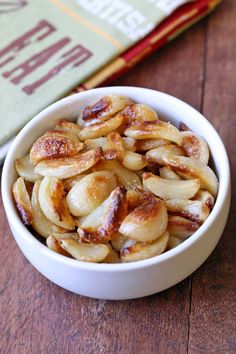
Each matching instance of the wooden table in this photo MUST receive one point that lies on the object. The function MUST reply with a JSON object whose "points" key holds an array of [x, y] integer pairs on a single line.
{"points": [[196, 316]]}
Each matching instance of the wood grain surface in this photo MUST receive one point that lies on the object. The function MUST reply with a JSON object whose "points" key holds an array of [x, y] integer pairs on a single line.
{"points": [[196, 316]]}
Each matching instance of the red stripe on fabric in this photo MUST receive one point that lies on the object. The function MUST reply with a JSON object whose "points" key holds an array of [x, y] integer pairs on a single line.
{"points": [[129, 55], [201, 6]]}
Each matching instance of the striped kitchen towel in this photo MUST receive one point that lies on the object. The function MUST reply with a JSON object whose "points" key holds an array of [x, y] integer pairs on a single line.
{"points": [[51, 47]]}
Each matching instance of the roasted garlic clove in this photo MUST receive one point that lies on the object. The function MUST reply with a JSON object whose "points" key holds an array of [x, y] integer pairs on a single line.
{"points": [[25, 169], [69, 183], [168, 173], [173, 242], [136, 112], [68, 126], [170, 189], [133, 199], [181, 227], [205, 197], [156, 129], [42, 225], [114, 148], [139, 250], [133, 161], [157, 155], [22, 201], [149, 144], [102, 109], [55, 246], [58, 229], [71, 235], [69, 167], [55, 144], [118, 241], [189, 209], [53, 203], [90, 192], [101, 166], [190, 168], [137, 197], [99, 129], [139, 112], [127, 143], [146, 222], [125, 177], [96, 143], [112, 257], [195, 147], [102, 223], [85, 252]]}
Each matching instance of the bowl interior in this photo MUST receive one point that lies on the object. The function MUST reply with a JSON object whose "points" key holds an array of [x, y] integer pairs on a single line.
{"points": [[167, 107]]}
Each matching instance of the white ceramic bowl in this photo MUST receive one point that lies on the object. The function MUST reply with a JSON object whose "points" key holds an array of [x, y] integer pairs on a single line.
{"points": [[136, 279]]}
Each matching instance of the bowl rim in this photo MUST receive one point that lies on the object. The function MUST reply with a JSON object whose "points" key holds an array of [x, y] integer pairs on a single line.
{"points": [[27, 236]]}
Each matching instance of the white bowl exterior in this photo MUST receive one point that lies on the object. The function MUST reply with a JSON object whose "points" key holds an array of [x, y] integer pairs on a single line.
{"points": [[137, 282], [136, 279]]}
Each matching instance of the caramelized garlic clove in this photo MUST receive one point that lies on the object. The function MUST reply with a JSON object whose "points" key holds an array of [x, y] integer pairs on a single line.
{"points": [[102, 110], [102, 223], [114, 148], [41, 224], [118, 241], [55, 144], [181, 227], [90, 192], [194, 210], [195, 147], [126, 177], [22, 201], [156, 129], [100, 129], [55, 246], [25, 169], [137, 251], [173, 242], [133, 161], [157, 155], [168, 173], [53, 203], [190, 168], [85, 252], [146, 222], [68, 126], [69, 167], [170, 189], [150, 144], [205, 197]]}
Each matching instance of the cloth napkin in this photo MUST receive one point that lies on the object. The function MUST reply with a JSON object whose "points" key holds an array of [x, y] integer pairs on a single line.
{"points": [[181, 19], [48, 48]]}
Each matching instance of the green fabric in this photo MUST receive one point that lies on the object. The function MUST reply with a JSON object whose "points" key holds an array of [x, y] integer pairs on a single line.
{"points": [[77, 25]]}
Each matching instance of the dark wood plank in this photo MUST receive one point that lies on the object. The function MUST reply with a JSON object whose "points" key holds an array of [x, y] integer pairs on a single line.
{"points": [[213, 308]]}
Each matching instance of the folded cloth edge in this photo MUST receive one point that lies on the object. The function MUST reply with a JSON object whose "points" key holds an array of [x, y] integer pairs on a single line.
{"points": [[106, 75]]}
